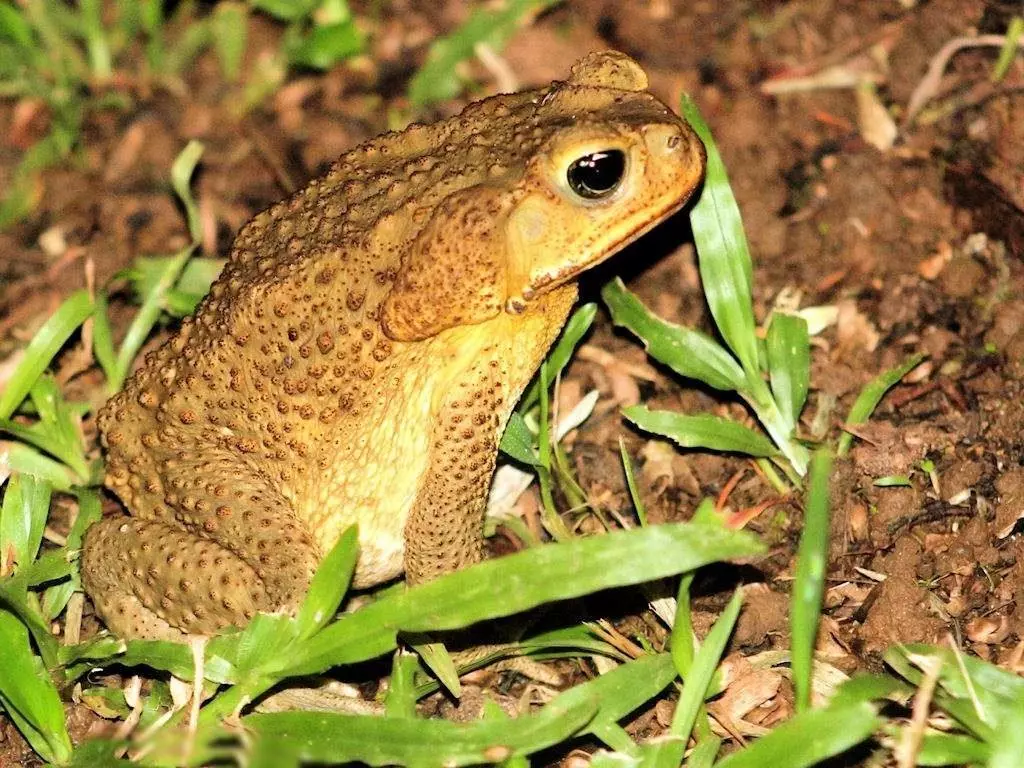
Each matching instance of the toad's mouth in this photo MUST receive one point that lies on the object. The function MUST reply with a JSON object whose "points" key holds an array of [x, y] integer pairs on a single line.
{"points": [[548, 280]]}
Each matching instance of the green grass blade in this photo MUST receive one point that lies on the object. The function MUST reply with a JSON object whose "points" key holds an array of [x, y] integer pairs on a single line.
{"points": [[809, 738], [194, 38], [181, 177], [701, 431], [517, 441], [872, 395], [230, 27], [688, 352], [97, 45], [700, 672], [175, 658], [286, 10], [866, 688], [15, 27], [262, 640], [722, 252], [103, 337], [99, 753], [602, 702], [330, 583], [155, 301], [143, 322], [704, 754], [26, 505], [789, 363], [29, 695], [329, 739], [575, 329], [51, 566], [1007, 748], [58, 430], [615, 737], [326, 45], [1008, 52], [809, 582], [438, 79], [996, 690], [625, 689], [42, 349], [89, 511], [26, 460], [437, 659], [192, 285], [952, 749], [525, 580], [42, 436], [634, 491], [400, 698]]}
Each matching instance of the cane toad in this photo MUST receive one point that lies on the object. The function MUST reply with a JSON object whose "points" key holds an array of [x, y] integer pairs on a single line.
{"points": [[360, 354]]}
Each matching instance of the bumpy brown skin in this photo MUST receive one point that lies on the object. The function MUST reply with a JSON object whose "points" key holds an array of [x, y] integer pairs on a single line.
{"points": [[358, 358]]}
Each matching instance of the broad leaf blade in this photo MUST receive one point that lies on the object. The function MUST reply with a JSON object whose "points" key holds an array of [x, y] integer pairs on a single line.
{"points": [[438, 79], [701, 431], [872, 395], [789, 363], [26, 505], [809, 738], [42, 349], [330, 739], [29, 695], [688, 352], [517, 441], [330, 583], [722, 252], [809, 584], [524, 580]]}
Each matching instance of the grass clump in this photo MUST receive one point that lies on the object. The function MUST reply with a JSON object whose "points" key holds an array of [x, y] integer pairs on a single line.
{"points": [[71, 59], [485, 32], [769, 371]]}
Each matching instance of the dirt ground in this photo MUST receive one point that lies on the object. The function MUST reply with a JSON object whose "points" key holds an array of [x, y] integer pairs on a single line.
{"points": [[918, 245]]}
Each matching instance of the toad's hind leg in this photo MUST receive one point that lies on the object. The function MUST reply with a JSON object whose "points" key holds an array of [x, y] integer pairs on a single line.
{"points": [[228, 546], [154, 581]]}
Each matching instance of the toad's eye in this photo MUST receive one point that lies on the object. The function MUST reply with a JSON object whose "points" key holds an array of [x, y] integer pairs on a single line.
{"points": [[598, 174]]}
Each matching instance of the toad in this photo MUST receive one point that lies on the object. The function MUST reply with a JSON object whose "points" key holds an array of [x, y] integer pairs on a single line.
{"points": [[359, 356]]}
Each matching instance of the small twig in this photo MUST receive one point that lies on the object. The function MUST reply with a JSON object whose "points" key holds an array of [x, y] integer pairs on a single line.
{"points": [[738, 520], [978, 708], [198, 646], [929, 85], [886, 35], [727, 489], [504, 78], [272, 159], [910, 743]]}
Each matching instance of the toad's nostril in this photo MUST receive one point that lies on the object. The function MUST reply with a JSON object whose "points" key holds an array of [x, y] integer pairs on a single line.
{"points": [[663, 139]]}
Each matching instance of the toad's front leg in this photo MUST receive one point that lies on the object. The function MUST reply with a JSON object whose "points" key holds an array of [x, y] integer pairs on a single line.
{"points": [[444, 530]]}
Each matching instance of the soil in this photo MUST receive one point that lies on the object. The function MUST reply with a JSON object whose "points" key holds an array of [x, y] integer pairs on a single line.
{"points": [[918, 246]]}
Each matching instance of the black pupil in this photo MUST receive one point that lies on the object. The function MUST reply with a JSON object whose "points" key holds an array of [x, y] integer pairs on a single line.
{"points": [[598, 174]]}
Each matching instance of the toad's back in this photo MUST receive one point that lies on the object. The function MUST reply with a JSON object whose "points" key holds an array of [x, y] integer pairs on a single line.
{"points": [[360, 354]]}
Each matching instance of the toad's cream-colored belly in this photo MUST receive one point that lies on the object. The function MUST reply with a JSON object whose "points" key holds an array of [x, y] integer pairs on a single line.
{"points": [[373, 482]]}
